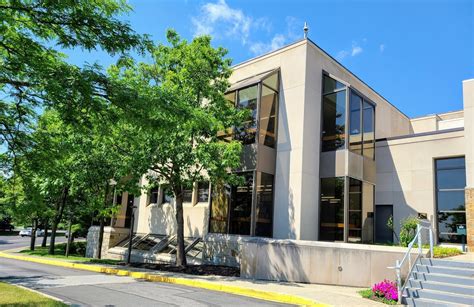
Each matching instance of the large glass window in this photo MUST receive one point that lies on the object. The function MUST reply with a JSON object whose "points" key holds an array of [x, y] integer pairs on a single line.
{"points": [[334, 120], [268, 109], [451, 208], [355, 118], [361, 126], [220, 202], [232, 206], [187, 195], [154, 195], [360, 211], [264, 208], [241, 206], [247, 99], [203, 191], [332, 209]]}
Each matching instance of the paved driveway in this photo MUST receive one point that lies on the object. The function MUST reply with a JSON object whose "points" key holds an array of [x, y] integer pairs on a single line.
{"points": [[83, 288]]}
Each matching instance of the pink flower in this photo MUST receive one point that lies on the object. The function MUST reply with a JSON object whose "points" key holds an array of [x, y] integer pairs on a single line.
{"points": [[386, 289]]}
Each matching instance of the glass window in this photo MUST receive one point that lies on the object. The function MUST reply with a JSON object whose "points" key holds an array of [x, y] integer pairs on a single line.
{"points": [[355, 210], [247, 99], [451, 206], [368, 130], [355, 133], [272, 81], [203, 191], [334, 121], [220, 203], [241, 206], [332, 209], [264, 208], [154, 195], [268, 109], [331, 85], [187, 195]]}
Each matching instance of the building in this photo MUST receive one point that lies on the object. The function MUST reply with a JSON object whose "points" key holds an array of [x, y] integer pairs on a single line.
{"points": [[326, 158]]}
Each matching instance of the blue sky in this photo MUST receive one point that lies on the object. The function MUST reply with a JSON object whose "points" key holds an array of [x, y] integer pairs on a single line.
{"points": [[414, 53]]}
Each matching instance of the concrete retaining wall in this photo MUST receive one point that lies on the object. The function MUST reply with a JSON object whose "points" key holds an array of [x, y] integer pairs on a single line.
{"points": [[112, 236], [319, 262]]}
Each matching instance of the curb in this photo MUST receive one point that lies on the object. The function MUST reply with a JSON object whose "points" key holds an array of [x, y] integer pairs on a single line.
{"points": [[237, 290]]}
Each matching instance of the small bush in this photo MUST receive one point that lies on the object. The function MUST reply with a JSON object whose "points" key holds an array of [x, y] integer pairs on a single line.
{"points": [[442, 252], [408, 230]]}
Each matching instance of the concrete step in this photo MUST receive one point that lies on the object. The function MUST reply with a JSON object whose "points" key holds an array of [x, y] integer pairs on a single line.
{"points": [[422, 302], [441, 286], [461, 280], [445, 270], [441, 296], [447, 263]]}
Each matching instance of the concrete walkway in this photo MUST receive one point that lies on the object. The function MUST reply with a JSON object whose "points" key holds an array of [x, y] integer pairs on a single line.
{"points": [[466, 257]]}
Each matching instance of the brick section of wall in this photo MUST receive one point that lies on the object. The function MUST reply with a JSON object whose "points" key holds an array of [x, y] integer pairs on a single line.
{"points": [[470, 218]]}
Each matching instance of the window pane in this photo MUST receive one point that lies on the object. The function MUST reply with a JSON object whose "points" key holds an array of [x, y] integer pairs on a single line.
{"points": [[368, 130], [450, 163], [272, 81], [334, 120], [167, 195], [241, 206], [448, 221], [154, 195], [355, 133], [187, 195], [247, 99], [268, 111], [221, 196], [230, 97], [451, 179], [451, 201], [332, 209], [264, 207], [355, 210], [203, 191], [330, 85]]}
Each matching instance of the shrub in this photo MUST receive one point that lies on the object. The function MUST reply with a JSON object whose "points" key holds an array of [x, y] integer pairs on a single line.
{"points": [[442, 251], [408, 230]]}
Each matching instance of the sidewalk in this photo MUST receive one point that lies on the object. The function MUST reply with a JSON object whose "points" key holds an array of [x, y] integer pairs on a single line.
{"points": [[291, 293]]}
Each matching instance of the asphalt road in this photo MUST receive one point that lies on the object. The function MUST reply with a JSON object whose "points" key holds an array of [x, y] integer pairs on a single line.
{"points": [[11, 242], [82, 288]]}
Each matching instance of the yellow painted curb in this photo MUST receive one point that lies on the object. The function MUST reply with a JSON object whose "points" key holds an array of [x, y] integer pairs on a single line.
{"points": [[243, 291]]}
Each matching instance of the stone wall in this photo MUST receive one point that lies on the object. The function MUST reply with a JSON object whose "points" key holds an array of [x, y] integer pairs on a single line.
{"points": [[470, 218], [112, 236]]}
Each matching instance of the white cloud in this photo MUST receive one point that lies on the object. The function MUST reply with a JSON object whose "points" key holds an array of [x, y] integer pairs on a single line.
{"points": [[218, 19], [279, 39], [355, 50], [382, 47]]}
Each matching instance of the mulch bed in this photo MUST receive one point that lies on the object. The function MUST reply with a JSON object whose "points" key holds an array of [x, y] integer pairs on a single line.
{"points": [[190, 269]]}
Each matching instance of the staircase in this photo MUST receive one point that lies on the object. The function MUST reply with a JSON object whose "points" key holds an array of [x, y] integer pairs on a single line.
{"points": [[435, 282]]}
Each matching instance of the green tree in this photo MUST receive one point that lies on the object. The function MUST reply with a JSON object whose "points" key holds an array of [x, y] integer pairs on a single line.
{"points": [[178, 107], [35, 75]]}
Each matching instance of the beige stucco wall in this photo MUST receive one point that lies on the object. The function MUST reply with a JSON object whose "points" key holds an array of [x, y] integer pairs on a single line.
{"points": [[468, 98], [435, 122], [405, 172], [160, 218]]}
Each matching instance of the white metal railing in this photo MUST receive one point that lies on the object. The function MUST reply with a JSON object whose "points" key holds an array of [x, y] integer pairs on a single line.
{"points": [[418, 239]]}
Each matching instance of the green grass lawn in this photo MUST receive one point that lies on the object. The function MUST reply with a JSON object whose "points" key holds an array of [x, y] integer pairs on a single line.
{"points": [[77, 252], [11, 295]]}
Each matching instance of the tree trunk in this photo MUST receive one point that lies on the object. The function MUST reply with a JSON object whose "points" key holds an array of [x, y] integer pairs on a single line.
{"points": [[101, 238], [45, 237], [69, 237], [180, 255], [57, 219], [33, 234], [102, 222]]}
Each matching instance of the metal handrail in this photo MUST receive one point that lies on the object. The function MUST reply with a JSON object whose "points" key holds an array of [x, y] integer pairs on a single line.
{"points": [[398, 265]]}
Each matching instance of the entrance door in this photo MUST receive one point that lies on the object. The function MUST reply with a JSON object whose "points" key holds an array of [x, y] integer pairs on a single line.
{"points": [[383, 234]]}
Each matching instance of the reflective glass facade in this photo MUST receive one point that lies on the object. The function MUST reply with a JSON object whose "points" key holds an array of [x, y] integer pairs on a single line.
{"points": [[451, 206], [247, 208]]}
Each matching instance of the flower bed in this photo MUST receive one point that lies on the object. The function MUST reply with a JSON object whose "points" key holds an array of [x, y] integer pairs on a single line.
{"points": [[385, 292]]}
